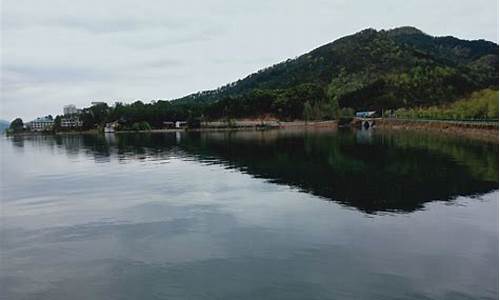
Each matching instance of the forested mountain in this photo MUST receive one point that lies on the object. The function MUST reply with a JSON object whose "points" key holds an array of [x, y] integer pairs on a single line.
{"points": [[371, 69]]}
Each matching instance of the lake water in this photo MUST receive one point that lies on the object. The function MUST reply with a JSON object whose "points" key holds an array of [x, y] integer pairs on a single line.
{"points": [[276, 214]]}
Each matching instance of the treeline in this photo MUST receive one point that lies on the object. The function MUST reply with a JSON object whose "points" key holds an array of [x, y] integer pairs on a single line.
{"points": [[137, 115], [304, 102], [480, 105]]}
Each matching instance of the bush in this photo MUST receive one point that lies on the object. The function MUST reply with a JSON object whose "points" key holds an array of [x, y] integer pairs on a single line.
{"points": [[141, 126]]}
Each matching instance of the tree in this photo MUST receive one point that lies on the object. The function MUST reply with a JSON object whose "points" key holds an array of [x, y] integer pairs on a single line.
{"points": [[141, 126], [96, 115], [308, 111], [57, 122], [17, 125]]}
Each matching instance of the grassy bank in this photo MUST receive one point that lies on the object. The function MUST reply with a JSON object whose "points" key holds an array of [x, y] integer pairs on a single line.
{"points": [[481, 105]]}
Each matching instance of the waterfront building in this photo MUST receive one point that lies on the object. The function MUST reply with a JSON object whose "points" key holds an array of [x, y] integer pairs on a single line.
{"points": [[40, 124], [71, 122]]}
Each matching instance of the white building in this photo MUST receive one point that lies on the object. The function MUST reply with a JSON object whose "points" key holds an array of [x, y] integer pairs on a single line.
{"points": [[179, 124], [70, 110], [71, 122], [40, 124]]}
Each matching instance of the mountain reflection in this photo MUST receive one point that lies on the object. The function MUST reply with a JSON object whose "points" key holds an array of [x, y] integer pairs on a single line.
{"points": [[371, 171]]}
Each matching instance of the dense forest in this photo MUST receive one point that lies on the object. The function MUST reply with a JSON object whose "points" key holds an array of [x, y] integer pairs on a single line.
{"points": [[396, 69]]}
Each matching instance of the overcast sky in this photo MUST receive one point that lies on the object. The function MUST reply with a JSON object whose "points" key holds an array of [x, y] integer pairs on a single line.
{"points": [[77, 51]]}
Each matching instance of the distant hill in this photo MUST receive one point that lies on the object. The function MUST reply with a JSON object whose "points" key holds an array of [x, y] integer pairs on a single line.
{"points": [[4, 125], [372, 69]]}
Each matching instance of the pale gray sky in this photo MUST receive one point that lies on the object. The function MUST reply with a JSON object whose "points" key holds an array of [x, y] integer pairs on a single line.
{"points": [[57, 52]]}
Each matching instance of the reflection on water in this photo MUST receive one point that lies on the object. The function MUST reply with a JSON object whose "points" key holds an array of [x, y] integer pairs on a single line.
{"points": [[371, 172], [280, 214]]}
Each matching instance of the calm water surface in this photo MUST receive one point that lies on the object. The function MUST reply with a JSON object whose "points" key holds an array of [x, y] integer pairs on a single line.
{"points": [[249, 215]]}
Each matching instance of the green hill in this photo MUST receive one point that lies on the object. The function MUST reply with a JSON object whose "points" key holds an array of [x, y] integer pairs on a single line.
{"points": [[371, 69]]}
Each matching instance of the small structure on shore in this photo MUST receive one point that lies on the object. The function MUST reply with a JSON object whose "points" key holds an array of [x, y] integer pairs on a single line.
{"points": [[167, 124], [366, 118], [176, 124], [366, 114], [110, 127], [180, 124]]}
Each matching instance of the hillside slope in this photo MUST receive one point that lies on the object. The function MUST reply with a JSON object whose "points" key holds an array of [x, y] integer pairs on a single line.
{"points": [[371, 69]]}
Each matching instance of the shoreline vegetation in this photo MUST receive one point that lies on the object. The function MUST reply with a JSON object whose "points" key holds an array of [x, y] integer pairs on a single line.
{"points": [[477, 130], [475, 116], [478, 111]]}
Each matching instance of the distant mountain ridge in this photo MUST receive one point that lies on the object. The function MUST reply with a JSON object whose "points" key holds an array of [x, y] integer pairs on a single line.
{"points": [[378, 69], [4, 125]]}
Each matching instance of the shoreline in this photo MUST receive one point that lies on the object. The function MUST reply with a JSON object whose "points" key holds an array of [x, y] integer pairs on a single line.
{"points": [[477, 131], [487, 132]]}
